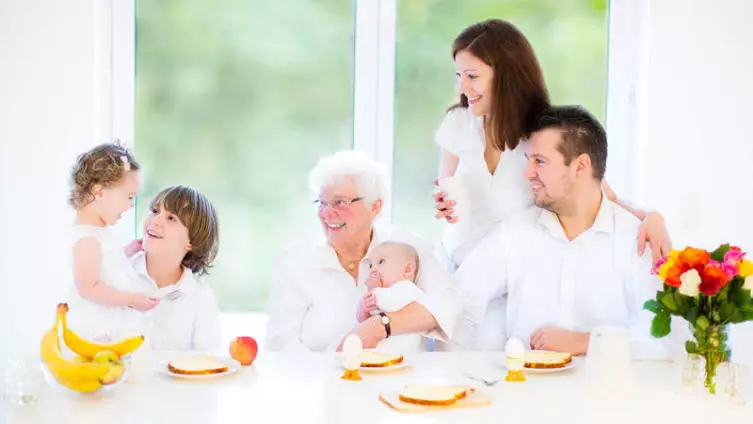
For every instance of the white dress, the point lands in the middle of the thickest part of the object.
(493, 197)
(98, 322)
(393, 299)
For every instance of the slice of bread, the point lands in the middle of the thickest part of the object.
(374, 359)
(542, 359)
(433, 395)
(197, 365)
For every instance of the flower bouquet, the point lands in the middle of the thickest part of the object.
(710, 290)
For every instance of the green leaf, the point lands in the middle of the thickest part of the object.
(669, 301)
(726, 311)
(661, 324)
(692, 313)
(691, 347)
(682, 302)
(702, 322)
(739, 297)
(718, 254)
(653, 306)
(737, 317)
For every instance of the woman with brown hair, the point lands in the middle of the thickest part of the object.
(501, 90)
(481, 179)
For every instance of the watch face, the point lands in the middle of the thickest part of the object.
(385, 320)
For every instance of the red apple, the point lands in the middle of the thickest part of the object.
(244, 349)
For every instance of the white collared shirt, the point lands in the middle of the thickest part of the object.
(191, 322)
(314, 300)
(595, 279)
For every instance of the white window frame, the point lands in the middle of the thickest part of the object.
(627, 97)
(374, 99)
(374, 86)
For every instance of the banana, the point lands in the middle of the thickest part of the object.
(89, 349)
(78, 376)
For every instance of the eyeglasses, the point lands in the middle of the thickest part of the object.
(337, 203)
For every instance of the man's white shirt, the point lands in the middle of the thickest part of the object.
(596, 279)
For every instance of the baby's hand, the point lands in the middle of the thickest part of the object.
(133, 247)
(365, 306)
(373, 281)
(143, 303)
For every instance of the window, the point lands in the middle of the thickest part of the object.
(239, 101)
(570, 40)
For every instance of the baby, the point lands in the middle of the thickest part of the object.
(392, 286)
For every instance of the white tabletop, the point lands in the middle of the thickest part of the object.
(306, 388)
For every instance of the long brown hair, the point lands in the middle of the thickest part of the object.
(518, 88)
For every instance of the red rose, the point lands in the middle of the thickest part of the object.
(714, 279)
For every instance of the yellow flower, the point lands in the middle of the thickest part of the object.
(672, 259)
(746, 268)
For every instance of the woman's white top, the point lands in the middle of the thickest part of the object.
(314, 300)
(190, 322)
(493, 197)
(98, 322)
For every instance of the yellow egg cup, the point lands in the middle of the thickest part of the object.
(351, 375)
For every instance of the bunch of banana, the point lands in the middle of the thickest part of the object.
(89, 349)
(96, 364)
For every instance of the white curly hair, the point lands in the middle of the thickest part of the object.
(370, 176)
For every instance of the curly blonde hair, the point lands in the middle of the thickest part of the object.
(104, 165)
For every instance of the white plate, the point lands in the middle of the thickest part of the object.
(567, 367)
(395, 367)
(232, 367)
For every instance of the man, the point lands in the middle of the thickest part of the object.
(569, 263)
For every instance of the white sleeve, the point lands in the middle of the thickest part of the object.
(642, 286)
(454, 131)
(481, 277)
(287, 308)
(207, 333)
(441, 297)
(398, 296)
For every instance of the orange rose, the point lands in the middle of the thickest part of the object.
(693, 257)
(674, 273)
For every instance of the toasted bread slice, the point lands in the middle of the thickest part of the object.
(374, 359)
(433, 395)
(197, 365)
(540, 359)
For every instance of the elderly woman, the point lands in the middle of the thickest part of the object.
(320, 285)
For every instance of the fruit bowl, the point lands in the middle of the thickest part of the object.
(96, 368)
(85, 389)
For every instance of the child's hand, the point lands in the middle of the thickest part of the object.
(133, 247)
(143, 303)
(365, 306)
(374, 281)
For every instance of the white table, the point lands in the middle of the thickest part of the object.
(306, 388)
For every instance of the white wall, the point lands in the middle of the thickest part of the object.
(700, 85)
(50, 72)
(681, 86)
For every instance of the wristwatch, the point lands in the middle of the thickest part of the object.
(385, 320)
